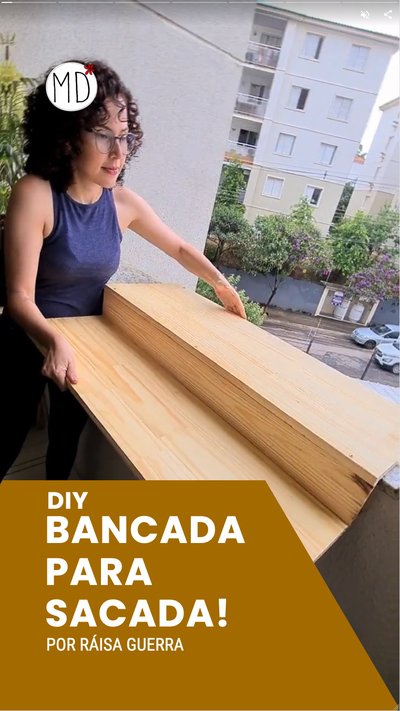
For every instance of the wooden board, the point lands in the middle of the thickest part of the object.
(165, 432)
(185, 390)
(333, 437)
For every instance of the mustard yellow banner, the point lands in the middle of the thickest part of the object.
(168, 595)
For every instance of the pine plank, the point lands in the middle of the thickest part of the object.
(165, 432)
(335, 440)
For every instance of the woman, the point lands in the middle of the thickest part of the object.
(63, 233)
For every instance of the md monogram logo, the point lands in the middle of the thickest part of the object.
(72, 86)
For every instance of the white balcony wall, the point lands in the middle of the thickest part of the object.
(182, 64)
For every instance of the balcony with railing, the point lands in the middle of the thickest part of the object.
(250, 105)
(262, 55)
(242, 151)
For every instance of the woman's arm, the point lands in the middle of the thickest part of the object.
(23, 242)
(147, 224)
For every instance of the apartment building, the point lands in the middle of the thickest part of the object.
(307, 89)
(377, 181)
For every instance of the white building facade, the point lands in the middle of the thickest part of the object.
(377, 183)
(308, 87)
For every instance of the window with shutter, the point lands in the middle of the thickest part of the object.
(284, 144)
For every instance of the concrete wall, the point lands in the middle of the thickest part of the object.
(292, 295)
(299, 295)
(182, 64)
(387, 312)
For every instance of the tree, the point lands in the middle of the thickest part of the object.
(283, 243)
(343, 203)
(350, 245)
(232, 182)
(229, 231)
(356, 241)
(378, 281)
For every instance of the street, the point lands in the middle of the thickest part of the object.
(333, 348)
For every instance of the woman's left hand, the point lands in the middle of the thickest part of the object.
(229, 297)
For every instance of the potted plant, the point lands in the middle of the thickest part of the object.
(13, 88)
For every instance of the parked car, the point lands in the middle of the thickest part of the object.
(388, 356)
(369, 337)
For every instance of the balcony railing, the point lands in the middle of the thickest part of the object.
(251, 105)
(262, 54)
(242, 150)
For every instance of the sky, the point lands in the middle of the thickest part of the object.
(378, 16)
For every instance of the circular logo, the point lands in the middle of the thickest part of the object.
(72, 86)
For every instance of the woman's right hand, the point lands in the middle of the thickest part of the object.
(59, 364)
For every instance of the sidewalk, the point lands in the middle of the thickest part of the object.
(277, 316)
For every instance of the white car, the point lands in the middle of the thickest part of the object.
(388, 356)
(371, 337)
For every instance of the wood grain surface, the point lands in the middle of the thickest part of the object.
(185, 390)
(318, 425)
(165, 432)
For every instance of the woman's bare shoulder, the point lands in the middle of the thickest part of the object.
(126, 195)
(32, 190)
(127, 203)
(31, 198)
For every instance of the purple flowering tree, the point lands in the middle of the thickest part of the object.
(377, 282)
(283, 244)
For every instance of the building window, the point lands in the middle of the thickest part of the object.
(313, 194)
(249, 138)
(327, 153)
(284, 144)
(273, 187)
(312, 46)
(340, 108)
(357, 58)
(298, 97)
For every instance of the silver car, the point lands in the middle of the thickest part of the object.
(369, 337)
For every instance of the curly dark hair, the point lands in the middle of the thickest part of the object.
(53, 136)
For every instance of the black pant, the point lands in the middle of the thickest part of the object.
(21, 387)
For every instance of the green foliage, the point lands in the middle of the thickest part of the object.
(350, 244)
(378, 281)
(229, 231)
(233, 181)
(283, 243)
(358, 240)
(343, 203)
(302, 218)
(13, 88)
(254, 312)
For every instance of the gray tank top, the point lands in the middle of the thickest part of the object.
(78, 257)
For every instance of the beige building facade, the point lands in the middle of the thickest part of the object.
(377, 183)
